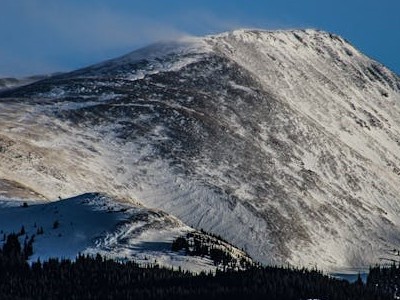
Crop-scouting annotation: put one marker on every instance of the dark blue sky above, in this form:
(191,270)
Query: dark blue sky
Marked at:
(41,36)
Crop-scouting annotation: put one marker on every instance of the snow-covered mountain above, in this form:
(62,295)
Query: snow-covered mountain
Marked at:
(285,143)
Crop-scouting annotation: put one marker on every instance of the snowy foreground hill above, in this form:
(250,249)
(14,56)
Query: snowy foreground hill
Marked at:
(95,223)
(285,143)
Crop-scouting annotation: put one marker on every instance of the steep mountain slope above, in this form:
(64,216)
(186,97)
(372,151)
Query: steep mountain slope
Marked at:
(286,143)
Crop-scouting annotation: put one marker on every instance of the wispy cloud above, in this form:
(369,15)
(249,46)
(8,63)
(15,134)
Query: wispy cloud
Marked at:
(58,35)
(102,28)
(211,23)
(42,32)
(88,28)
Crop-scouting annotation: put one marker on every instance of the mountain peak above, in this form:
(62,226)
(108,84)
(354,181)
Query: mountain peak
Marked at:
(308,33)
(286,39)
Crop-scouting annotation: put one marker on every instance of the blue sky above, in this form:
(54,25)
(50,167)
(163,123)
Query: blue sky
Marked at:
(42,36)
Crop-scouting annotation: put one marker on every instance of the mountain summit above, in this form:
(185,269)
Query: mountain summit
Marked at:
(285,143)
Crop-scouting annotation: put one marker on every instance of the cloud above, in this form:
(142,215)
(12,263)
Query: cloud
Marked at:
(88,28)
(212,23)
(58,35)
(42,35)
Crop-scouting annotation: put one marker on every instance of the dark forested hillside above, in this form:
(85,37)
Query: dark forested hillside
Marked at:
(385,279)
(100,278)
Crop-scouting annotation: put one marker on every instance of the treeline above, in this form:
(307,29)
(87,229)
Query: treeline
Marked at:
(99,278)
(211,246)
(385,280)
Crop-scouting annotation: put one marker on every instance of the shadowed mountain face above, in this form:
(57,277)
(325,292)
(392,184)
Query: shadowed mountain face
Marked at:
(285,143)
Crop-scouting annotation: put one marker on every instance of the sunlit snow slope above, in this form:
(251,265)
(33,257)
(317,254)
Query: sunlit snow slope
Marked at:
(285,143)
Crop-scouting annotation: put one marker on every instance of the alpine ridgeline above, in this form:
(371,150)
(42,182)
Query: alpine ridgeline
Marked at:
(285,143)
